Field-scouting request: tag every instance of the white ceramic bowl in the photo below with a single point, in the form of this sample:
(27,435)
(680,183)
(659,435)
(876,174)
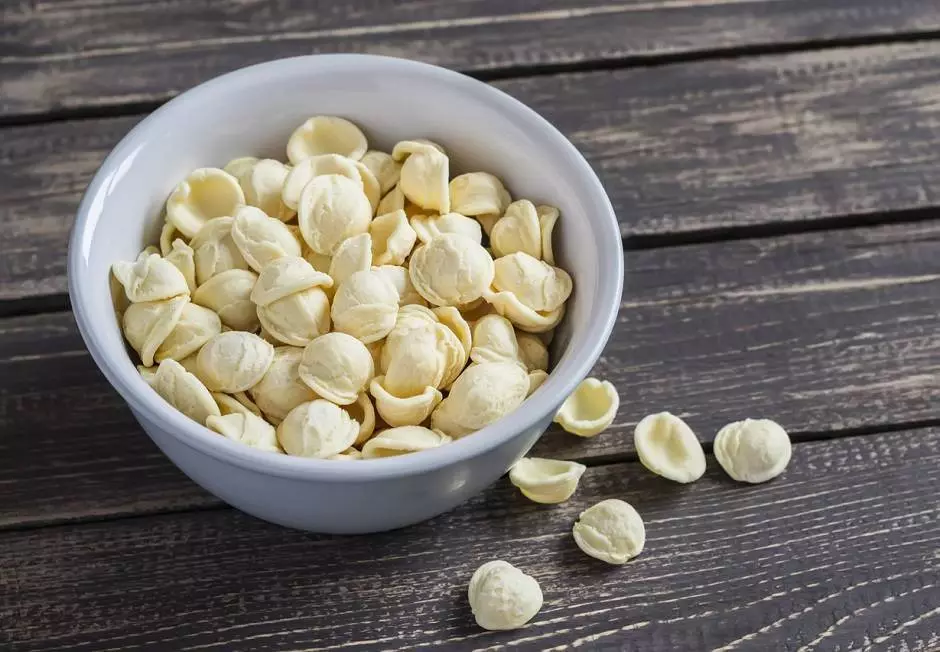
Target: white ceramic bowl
(252,112)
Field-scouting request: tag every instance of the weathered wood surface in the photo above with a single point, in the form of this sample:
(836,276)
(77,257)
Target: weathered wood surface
(839,553)
(826,332)
(63,55)
(681,148)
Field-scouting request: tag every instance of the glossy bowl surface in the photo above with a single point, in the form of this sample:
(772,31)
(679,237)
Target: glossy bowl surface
(252,112)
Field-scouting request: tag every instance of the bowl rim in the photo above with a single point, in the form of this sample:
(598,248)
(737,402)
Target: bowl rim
(147,403)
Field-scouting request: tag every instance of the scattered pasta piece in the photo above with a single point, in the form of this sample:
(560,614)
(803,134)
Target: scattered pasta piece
(590,409)
(668,447)
(546,481)
(502,597)
(611,531)
(753,450)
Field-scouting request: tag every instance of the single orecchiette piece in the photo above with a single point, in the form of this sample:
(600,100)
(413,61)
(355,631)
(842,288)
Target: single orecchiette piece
(239,167)
(147,325)
(183,258)
(411,359)
(611,531)
(168,234)
(183,391)
(532,352)
(228,294)
(205,194)
(326,134)
(262,183)
(363,413)
(348,454)
(353,255)
(370,185)
(383,167)
(399,277)
(150,278)
(451,270)
(753,450)
(478,193)
(261,239)
(537,284)
(487,221)
(394,200)
(365,306)
(590,409)
(238,403)
(517,231)
(280,390)
(195,327)
(392,238)
(548,216)
(668,447)
(291,301)
(403,410)
(316,166)
(536,379)
(332,208)
(546,481)
(522,316)
(337,367)
(428,227)
(247,429)
(494,340)
(403,440)
(317,429)
(424,176)
(481,395)
(214,249)
(502,597)
(234,361)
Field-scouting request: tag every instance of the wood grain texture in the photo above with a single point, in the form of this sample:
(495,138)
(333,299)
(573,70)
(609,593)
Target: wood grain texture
(64,54)
(681,148)
(825,332)
(840,553)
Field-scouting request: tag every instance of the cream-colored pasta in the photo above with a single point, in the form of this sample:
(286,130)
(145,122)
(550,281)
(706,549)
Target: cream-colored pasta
(532,352)
(401,441)
(481,395)
(317,429)
(215,251)
(326,134)
(411,359)
(183,258)
(494,340)
(247,429)
(502,597)
(291,302)
(315,166)
(150,278)
(261,239)
(168,234)
(546,481)
(383,167)
(234,361)
(536,379)
(548,216)
(204,194)
(241,166)
(455,341)
(262,186)
(394,200)
(370,185)
(517,231)
(392,238)
(353,255)
(478,193)
(611,531)
(229,295)
(363,412)
(148,324)
(365,306)
(183,391)
(590,409)
(238,403)
(337,367)
(668,447)
(195,327)
(332,208)
(348,454)
(428,227)
(451,270)
(488,221)
(423,179)
(280,390)
(753,450)
(405,148)
(535,283)
(522,316)
(410,410)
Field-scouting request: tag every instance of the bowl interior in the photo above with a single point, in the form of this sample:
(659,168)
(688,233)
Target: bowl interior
(253,112)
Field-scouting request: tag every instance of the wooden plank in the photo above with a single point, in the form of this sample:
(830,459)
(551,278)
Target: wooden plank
(683,148)
(59,55)
(839,553)
(826,332)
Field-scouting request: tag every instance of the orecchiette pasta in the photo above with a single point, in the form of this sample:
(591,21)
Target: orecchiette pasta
(451,270)
(478,193)
(394,200)
(315,166)
(332,208)
(238,403)
(317,429)
(517,231)
(392,238)
(399,277)
(403,410)
(205,194)
(234,361)
(195,327)
(370,185)
(365,306)
(423,179)
(148,324)
(402,440)
(383,167)
(261,239)
(548,216)
(292,304)
(535,283)
(214,249)
(590,409)
(363,413)
(337,367)
(494,340)
(502,597)
(324,134)
(183,258)
(522,316)
(183,391)
(353,255)
(546,481)
(229,295)
(532,352)
(280,390)
(262,185)
(428,227)
(247,429)
(150,278)
(482,394)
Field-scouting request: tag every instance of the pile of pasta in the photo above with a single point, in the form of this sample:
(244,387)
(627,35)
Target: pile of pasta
(348,304)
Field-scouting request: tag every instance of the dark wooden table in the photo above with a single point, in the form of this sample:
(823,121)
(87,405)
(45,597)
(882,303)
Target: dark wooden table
(775,165)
